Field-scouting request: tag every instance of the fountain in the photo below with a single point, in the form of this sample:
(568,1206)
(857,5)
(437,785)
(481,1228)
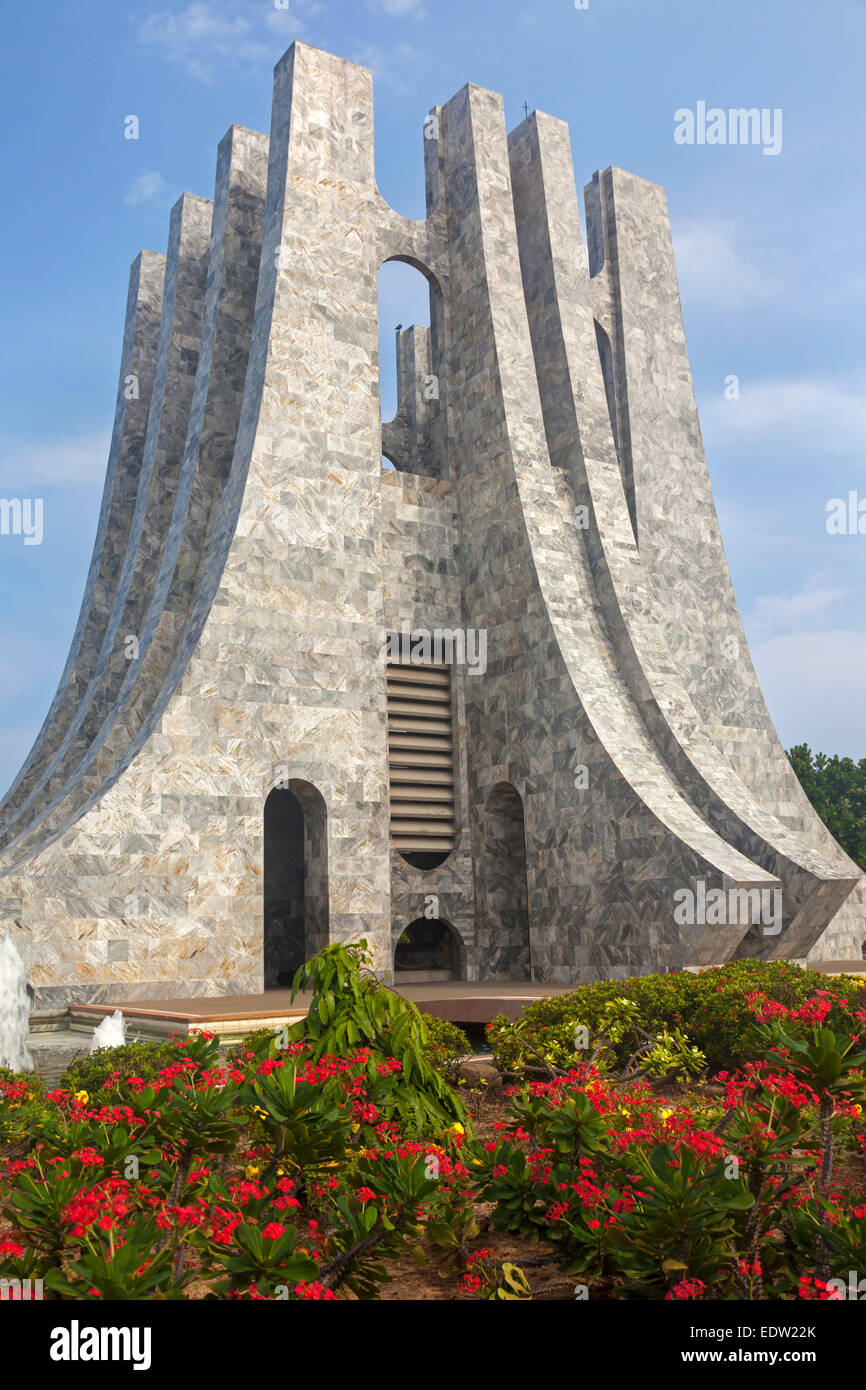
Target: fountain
(111,1032)
(14,1008)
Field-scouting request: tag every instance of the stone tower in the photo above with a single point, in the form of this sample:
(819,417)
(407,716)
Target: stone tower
(546,808)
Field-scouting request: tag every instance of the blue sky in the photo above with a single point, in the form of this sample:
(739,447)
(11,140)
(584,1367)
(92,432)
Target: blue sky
(770,256)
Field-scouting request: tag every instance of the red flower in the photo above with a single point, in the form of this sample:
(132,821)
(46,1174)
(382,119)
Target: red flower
(686,1289)
(315,1290)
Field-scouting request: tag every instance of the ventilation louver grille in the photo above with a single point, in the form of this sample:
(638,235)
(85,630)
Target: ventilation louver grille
(421,757)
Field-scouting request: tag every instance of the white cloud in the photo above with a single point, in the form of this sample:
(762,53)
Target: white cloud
(396,7)
(286,23)
(790,610)
(25,464)
(390,66)
(715,267)
(814,413)
(204,39)
(208,39)
(149,187)
(815,687)
(751,528)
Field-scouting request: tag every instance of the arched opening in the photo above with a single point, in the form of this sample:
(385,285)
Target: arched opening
(425,859)
(295,879)
(503,926)
(408,373)
(427,952)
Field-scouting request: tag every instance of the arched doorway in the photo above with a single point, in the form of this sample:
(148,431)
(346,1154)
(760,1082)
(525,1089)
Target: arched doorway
(503,925)
(410,335)
(429,950)
(295,879)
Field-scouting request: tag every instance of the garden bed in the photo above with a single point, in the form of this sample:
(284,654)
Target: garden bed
(354,1156)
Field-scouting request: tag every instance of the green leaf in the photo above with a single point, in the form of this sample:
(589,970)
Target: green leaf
(660,1160)
(740,1201)
(830,1067)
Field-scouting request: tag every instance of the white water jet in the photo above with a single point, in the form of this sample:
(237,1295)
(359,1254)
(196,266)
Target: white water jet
(111,1032)
(14,1008)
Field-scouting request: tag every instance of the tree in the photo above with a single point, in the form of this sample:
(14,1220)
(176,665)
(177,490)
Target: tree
(836,788)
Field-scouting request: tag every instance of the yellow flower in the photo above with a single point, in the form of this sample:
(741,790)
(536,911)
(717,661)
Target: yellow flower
(355,1128)
(251,1171)
(664,1114)
(81,1097)
(858,1109)
(455,1129)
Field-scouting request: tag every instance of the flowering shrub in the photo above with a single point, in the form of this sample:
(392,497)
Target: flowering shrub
(717,1198)
(114,1064)
(447,1046)
(291,1169)
(713,1009)
(20,1103)
(506,1281)
(142,1188)
(286,1171)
